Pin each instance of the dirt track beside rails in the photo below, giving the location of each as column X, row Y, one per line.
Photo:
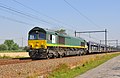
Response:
column 30, row 68
column 15, row 54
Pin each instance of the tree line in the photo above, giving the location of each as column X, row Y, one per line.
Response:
column 9, row 45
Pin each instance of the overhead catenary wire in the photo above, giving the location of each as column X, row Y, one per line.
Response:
column 18, row 15
column 81, row 14
column 38, row 12
column 14, row 20
column 20, row 12
column 88, row 36
column 24, row 13
column 10, row 10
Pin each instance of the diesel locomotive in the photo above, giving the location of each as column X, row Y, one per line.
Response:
column 45, row 43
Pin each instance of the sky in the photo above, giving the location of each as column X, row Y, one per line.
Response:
column 17, row 17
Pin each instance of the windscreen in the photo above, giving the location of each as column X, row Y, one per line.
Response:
column 37, row 36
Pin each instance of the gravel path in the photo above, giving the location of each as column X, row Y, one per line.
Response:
column 110, row 69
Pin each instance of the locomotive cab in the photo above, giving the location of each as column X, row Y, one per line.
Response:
column 37, row 38
column 37, row 41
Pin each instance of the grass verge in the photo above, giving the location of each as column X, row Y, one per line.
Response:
column 64, row 71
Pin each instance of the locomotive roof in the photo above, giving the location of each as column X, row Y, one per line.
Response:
column 52, row 32
column 63, row 35
column 37, row 29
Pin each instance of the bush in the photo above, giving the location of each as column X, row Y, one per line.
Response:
column 3, row 47
column 25, row 48
column 15, row 47
column 11, row 45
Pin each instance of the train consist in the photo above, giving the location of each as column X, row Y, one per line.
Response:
column 96, row 47
column 44, row 43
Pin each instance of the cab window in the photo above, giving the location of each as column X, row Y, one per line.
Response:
column 42, row 36
column 32, row 36
column 37, row 36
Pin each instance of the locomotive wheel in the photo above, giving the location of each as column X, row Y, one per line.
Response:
column 62, row 55
column 32, row 55
column 56, row 55
column 82, row 52
column 79, row 54
column 50, row 55
column 47, row 57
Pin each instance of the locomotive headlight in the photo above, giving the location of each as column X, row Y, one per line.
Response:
column 37, row 44
column 30, row 46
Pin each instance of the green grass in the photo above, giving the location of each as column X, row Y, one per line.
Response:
column 63, row 71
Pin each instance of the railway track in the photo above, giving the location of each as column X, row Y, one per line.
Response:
column 28, row 59
column 13, row 61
